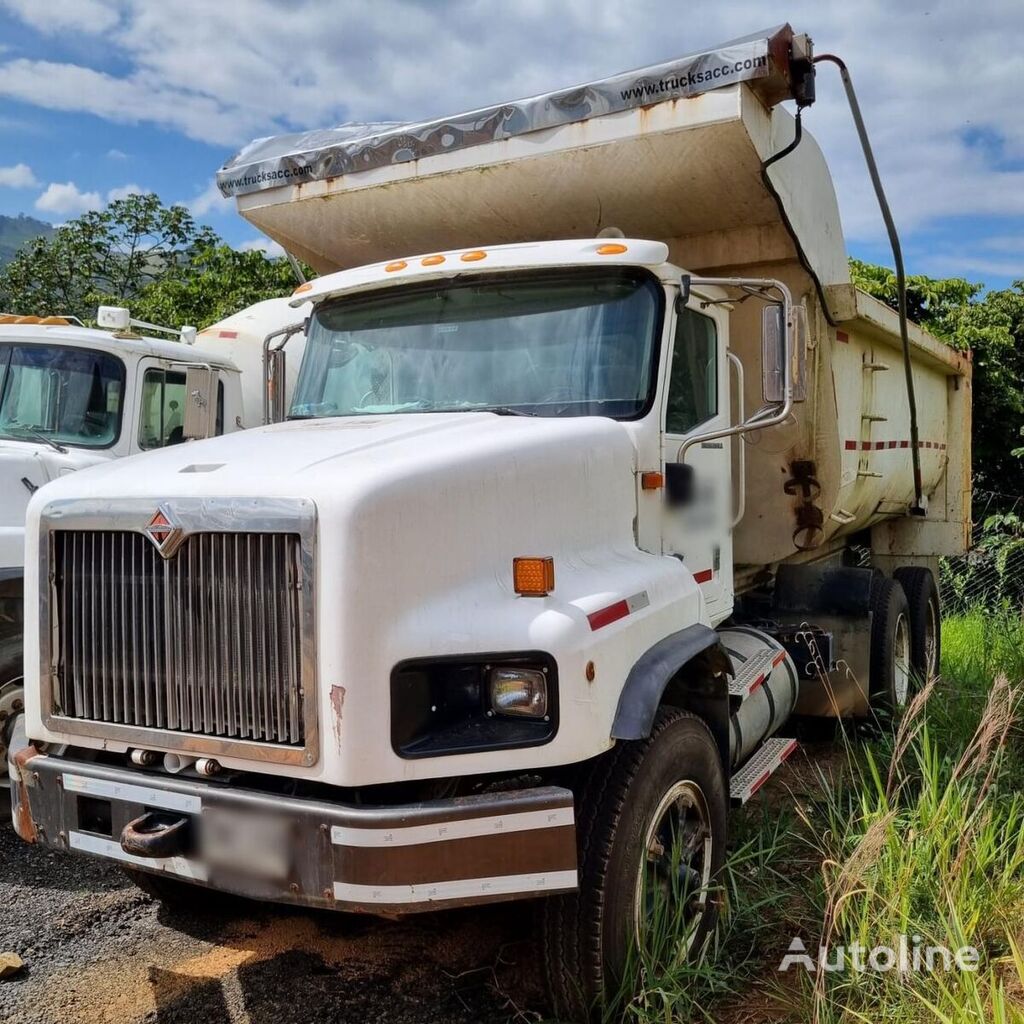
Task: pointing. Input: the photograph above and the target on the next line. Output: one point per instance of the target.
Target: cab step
(768, 758)
(753, 672)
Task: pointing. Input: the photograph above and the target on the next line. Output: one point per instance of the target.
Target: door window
(163, 409)
(693, 377)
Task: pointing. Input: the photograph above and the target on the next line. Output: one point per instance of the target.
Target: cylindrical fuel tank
(765, 682)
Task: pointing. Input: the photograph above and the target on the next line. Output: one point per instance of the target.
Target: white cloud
(931, 81)
(68, 199)
(54, 16)
(18, 176)
(124, 191)
(264, 245)
(116, 154)
(209, 201)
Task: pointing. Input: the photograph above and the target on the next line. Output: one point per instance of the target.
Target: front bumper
(384, 860)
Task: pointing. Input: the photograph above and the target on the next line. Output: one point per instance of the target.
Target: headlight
(460, 704)
(522, 692)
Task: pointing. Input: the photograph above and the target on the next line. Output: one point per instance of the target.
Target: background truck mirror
(200, 402)
(772, 349)
(276, 385)
(678, 484)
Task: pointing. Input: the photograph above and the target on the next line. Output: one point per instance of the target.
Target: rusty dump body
(688, 171)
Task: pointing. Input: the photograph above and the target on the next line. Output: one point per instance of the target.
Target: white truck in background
(598, 470)
(73, 397)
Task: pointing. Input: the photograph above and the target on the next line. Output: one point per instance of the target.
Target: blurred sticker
(246, 842)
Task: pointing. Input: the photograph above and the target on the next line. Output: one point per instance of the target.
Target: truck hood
(332, 459)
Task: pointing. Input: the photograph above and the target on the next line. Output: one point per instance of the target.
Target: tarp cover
(327, 153)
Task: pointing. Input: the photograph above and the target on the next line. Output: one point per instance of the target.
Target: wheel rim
(901, 660)
(674, 878)
(931, 643)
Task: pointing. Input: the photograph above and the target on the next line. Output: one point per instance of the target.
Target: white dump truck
(72, 397)
(598, 470)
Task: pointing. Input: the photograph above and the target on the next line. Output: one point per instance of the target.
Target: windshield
(58, 394)
(571, 344)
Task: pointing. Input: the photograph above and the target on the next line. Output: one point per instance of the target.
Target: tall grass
(917, 833)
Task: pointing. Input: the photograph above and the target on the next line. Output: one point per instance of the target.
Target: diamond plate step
(760, 768)
(753, 672)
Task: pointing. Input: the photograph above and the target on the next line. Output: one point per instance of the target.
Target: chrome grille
(208, 641)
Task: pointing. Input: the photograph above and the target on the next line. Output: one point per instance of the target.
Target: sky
(99, 98)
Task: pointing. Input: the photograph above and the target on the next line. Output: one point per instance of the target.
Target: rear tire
(890, 660)
(651, 829)
(925, 619)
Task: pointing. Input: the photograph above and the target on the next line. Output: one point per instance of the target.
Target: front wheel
(651, 828)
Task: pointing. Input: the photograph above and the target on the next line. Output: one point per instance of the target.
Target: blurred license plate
(247, 842)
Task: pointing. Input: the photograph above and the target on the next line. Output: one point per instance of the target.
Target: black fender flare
(706, 693)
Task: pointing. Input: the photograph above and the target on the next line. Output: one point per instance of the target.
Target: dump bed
(641, 153)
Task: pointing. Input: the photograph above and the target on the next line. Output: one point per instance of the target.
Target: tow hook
(156, 834)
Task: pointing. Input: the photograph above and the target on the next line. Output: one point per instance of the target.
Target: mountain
(16, 230)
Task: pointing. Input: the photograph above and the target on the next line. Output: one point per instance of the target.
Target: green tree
(992, 327)
(138, 252)
(213, 282)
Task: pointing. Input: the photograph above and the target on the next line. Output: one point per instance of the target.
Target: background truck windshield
(65, 394)
(571, 344)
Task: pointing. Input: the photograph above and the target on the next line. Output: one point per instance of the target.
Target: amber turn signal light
(533, 577)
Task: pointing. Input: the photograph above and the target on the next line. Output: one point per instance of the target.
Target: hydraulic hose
(901, 278)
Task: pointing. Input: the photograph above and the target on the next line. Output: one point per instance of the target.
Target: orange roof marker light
(474, 256)
(396, 265)
(533, 577)
(612, 249)
(431, 261)
(305, 287)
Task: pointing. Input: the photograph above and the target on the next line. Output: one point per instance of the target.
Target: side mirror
(200, 403)
(276, 385)
(773, 347)
(678, 484)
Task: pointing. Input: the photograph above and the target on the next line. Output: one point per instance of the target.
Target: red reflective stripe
(851, 446)
(606, 616)
(760, 782)
(227, 334)
(778, 659)
(759, 681)
(842, 336)
(704, 576)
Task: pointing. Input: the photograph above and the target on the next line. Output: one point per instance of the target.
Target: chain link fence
(991, 574)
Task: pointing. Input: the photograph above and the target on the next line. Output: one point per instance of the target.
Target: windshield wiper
(502, 410)
(38, 435)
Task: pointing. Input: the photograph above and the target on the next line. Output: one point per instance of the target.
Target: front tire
(651, 828)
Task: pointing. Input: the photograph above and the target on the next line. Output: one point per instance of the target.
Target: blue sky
(102, 96)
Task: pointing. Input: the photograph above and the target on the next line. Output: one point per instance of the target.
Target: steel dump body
(688, 172)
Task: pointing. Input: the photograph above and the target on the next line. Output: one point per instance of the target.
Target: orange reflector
(397, 265)
(652, 481)
(612, 249)
(533, 577)
(303, 288)
(54, 321)
(431, 261)
(472, 257)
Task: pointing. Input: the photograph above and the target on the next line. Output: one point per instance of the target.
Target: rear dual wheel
(905, 636)
(651, 823)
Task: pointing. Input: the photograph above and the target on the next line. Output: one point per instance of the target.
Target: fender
(704, 690)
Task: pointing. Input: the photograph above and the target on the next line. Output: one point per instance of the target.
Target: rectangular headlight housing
(520, 692)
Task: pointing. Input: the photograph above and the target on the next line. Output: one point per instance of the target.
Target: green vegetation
(139, 253)
(917, 832)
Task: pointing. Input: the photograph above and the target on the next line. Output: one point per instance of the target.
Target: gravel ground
(97, 950)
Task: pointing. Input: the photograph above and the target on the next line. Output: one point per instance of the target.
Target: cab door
(696, 401)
